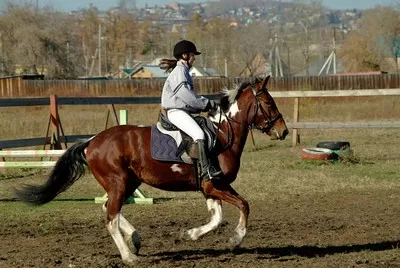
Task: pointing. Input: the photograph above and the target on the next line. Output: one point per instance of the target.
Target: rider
(180, 100)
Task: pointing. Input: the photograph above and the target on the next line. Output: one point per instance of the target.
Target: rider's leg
(207, 169)
(187, 124)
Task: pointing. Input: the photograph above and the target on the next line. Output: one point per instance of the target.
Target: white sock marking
(215, 208)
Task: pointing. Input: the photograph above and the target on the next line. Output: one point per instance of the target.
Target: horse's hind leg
(117, 192)
(215, 208)
(131, 236)
(113, 226)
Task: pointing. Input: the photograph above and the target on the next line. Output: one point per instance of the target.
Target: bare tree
(34, 41)
(308, 14)
(375, 44)
(247, 43)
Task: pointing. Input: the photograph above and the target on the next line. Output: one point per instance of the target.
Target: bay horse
(120, 160)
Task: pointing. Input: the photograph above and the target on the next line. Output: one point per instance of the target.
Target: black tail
(69, 168)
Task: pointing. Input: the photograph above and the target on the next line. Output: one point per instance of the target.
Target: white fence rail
(296, 125)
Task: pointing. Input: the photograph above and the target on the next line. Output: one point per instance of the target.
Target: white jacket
(178, 91)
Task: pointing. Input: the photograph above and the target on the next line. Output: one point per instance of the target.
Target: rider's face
(190, 57)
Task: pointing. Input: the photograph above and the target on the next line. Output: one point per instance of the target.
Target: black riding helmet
(184, 46)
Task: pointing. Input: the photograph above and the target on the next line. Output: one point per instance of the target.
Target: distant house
(173, 5)
(152, 70)
(125, 73)
(202, 72)
(258, 66)
(149, 71)
(141, 70)
(234, 23)
(320, 67)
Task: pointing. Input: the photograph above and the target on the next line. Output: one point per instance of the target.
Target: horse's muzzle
(278, 134)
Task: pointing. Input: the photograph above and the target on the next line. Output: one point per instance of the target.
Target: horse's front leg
(226, 193)
(215, 209)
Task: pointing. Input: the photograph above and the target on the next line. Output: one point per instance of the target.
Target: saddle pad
(163, 147)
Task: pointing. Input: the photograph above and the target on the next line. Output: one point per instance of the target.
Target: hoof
(134, 242)
(182, 235)
(234, 243)
(130, 260)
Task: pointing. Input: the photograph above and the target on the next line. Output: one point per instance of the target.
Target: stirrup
(211, 173)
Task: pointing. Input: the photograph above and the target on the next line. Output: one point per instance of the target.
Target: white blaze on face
(176, 168)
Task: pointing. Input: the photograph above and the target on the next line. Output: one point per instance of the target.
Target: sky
(105, 4)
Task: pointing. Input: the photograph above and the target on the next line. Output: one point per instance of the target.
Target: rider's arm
(182, 89)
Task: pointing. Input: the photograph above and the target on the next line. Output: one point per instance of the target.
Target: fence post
(111, 110)
(296, 131)
(55, 125)
(123, 117)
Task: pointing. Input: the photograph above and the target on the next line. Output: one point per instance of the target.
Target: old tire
(334, 145)
(317, 154)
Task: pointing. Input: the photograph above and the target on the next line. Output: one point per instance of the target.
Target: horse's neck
(234, 136)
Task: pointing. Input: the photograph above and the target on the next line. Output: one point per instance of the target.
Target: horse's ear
(264, 86)
(258, 79)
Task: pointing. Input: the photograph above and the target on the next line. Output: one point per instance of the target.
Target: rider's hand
(212, 107)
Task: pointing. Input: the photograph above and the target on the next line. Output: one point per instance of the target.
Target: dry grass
(272, 169)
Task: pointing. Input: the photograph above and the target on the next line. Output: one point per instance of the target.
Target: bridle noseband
(269, 122)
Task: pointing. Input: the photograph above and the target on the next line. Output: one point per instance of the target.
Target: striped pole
(32, 153)
(28, 164)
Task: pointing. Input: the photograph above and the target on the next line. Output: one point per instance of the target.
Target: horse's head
(251, 105)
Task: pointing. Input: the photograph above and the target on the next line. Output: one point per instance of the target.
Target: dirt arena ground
(346, 229)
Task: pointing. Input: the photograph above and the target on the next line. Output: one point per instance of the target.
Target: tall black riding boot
(207, 169)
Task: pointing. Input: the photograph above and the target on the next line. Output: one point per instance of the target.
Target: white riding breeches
(182, 120)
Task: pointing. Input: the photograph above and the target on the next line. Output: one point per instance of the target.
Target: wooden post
(111, 110)
(296, 132)
(55, 124)
(252, 138)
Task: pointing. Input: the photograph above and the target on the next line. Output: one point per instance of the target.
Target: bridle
(269, 122)
(257, 105)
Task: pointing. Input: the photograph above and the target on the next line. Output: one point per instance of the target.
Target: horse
(120, 160)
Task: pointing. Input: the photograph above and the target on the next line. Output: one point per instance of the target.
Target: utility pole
(306, 52)
(331, 59)
(68, 51)
(275, 59)
(288, 60)
(226, 67)
(100, 49)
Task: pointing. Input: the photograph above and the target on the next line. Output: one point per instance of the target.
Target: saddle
(168, 143)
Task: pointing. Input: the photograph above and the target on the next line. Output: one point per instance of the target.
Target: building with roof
(152, 70)
(149, 71)
(201, 72)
